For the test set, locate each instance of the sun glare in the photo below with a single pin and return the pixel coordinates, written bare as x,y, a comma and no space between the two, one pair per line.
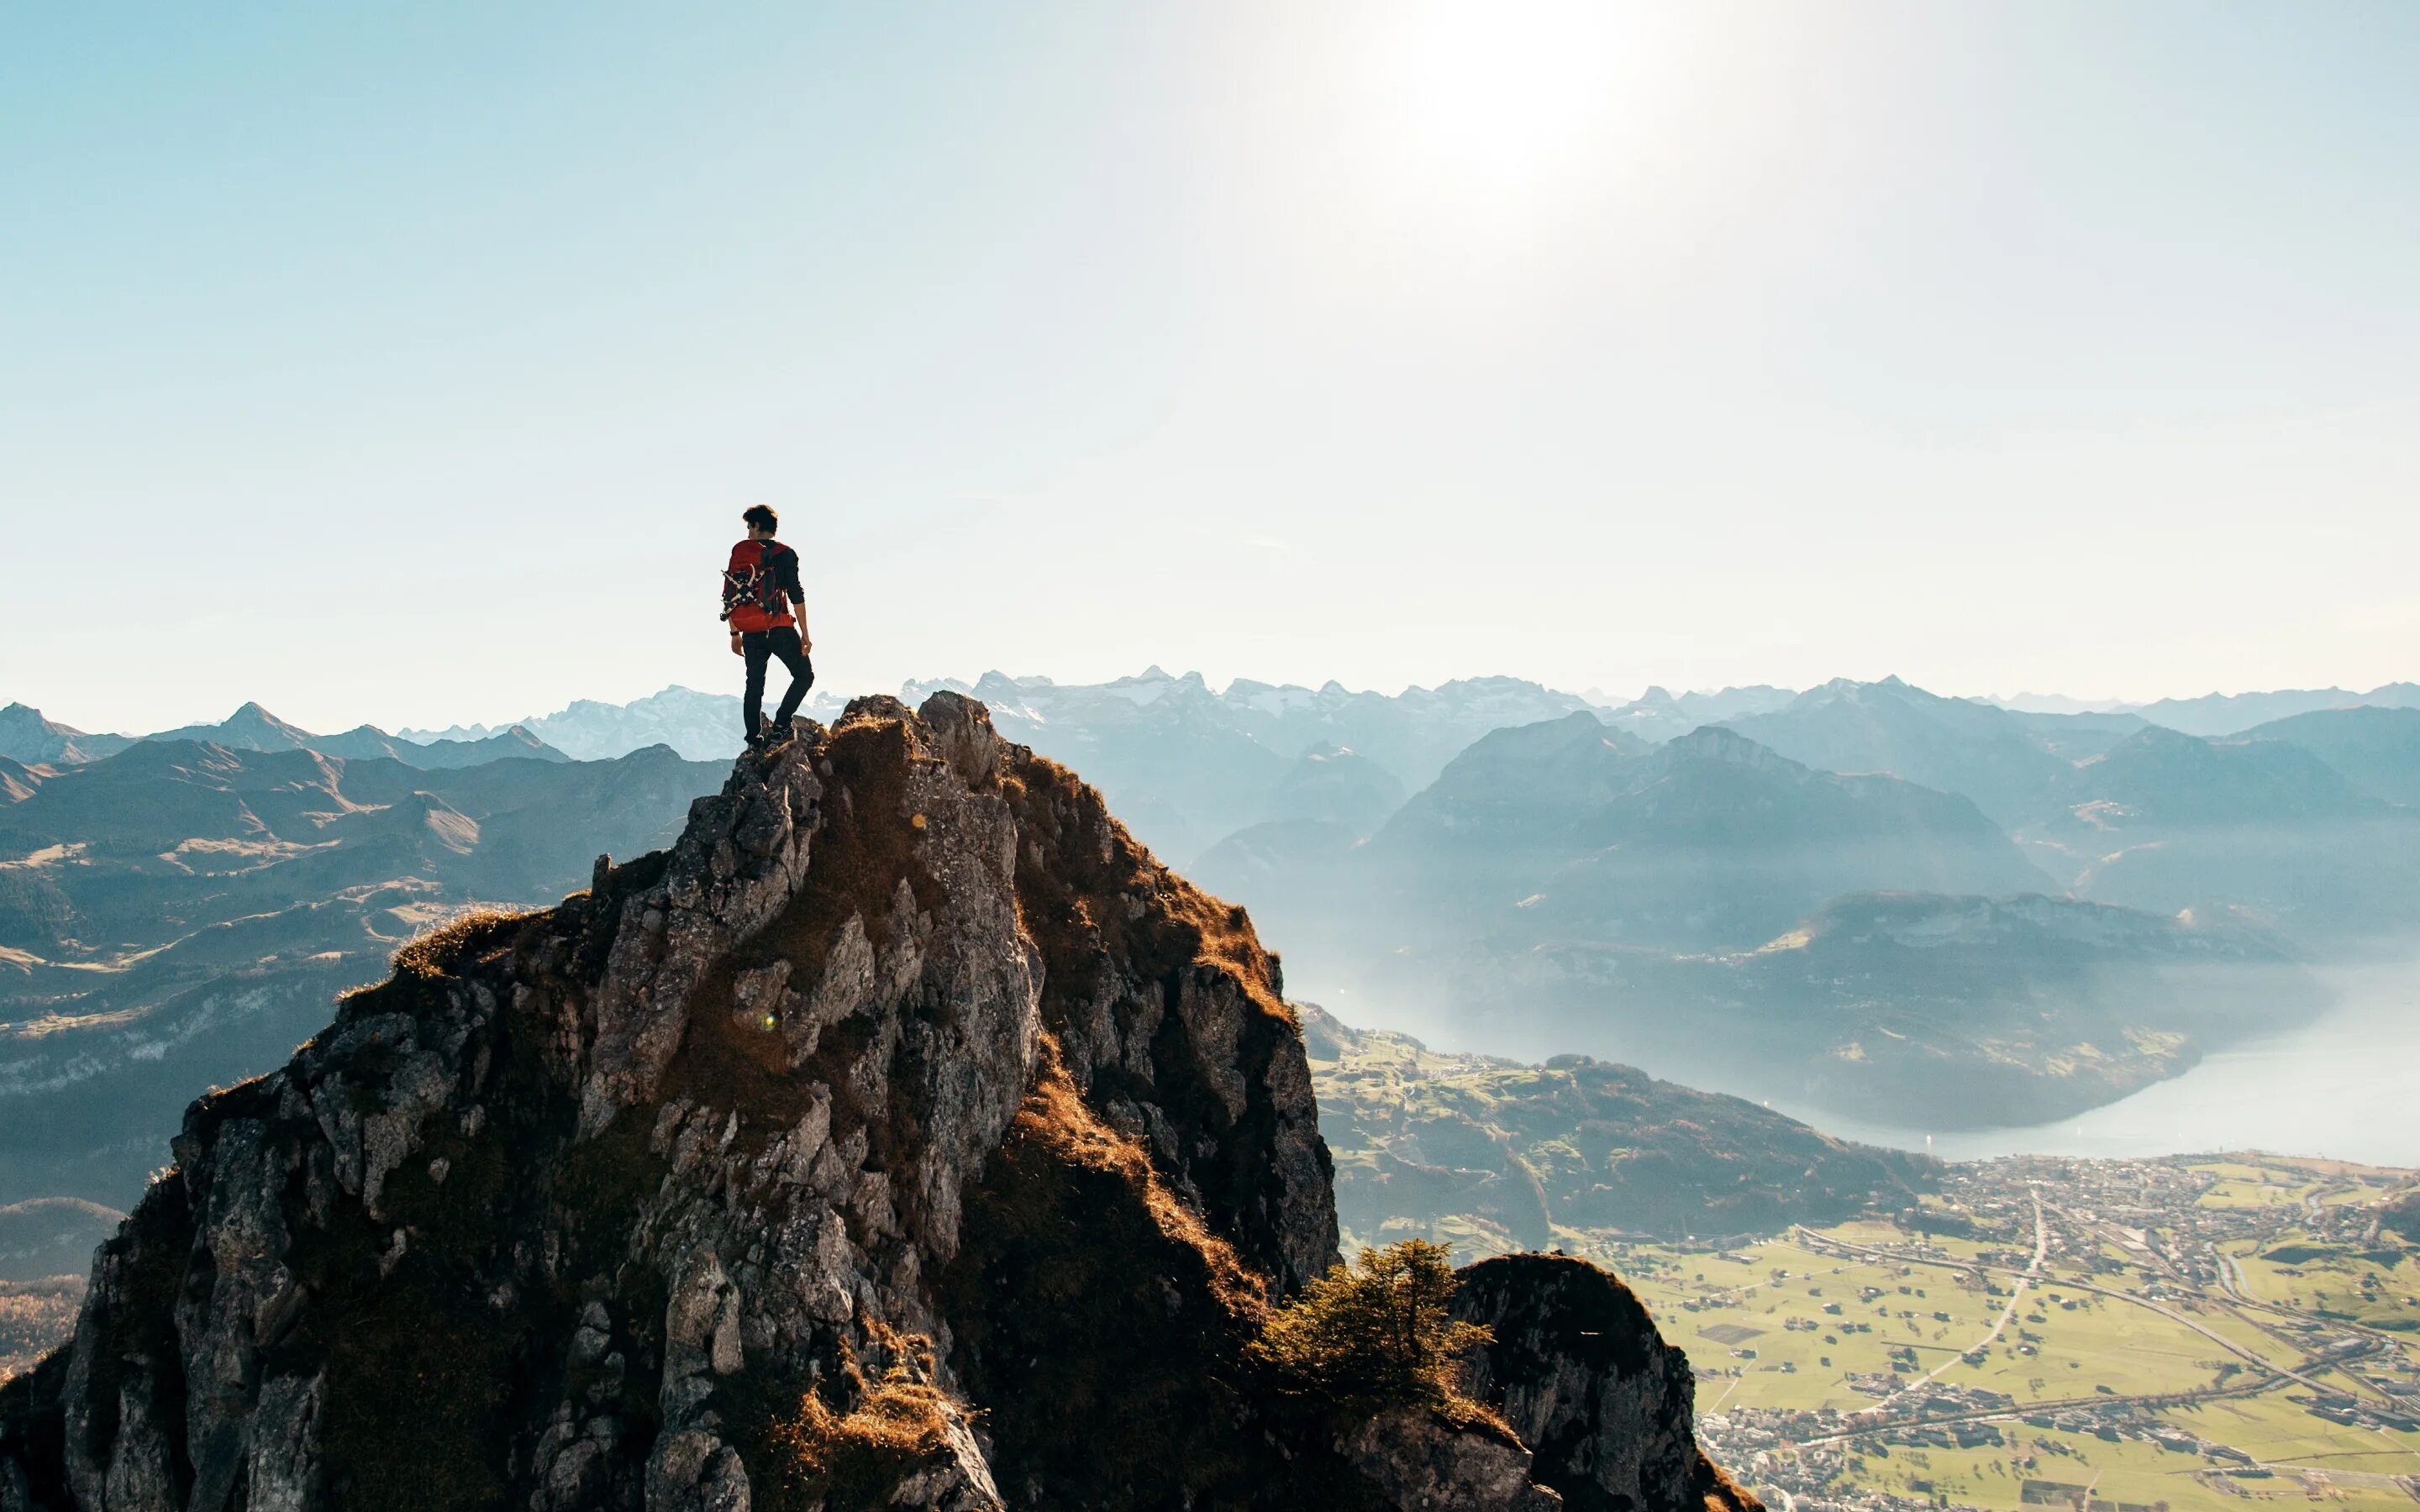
1498,110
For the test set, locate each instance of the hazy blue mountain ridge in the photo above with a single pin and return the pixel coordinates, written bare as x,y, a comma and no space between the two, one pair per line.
1690,906
180,914
2231,713
26,737
2375,750
1955,745
1412,734
2075,736
1660,715
701,727
2171,821
1575,867
1185,765
51,1236
1725,843
1336,785
1571,829
1188,766
254,728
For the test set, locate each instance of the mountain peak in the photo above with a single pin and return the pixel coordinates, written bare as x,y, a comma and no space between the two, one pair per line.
1714,742
26,734
906,1082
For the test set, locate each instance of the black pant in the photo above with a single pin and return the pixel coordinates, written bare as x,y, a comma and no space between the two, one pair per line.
760,646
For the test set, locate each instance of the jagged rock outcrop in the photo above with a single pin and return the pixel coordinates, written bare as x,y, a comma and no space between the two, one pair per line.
1579,1370
904,1137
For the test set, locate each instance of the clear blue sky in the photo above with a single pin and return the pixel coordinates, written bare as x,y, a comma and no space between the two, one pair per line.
410,363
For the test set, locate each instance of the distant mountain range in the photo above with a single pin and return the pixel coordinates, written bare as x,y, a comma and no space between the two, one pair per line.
1858,893
1571,829
27,737
2168,822
1856,940
1711,840
1987,753
2232,714
1187,765
1184,766
701,727
50,1236
2223,713
180,914
1658,714
2377,751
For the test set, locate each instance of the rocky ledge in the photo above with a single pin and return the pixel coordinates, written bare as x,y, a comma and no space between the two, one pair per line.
904,1137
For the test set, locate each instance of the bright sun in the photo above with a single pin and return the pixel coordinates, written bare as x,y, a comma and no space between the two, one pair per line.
1489,109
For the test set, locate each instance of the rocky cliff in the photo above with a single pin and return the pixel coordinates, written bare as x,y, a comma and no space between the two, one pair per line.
904,1137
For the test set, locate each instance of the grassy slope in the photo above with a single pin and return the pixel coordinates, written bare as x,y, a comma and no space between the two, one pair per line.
1493,1156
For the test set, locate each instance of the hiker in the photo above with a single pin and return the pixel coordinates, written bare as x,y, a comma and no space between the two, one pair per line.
768,614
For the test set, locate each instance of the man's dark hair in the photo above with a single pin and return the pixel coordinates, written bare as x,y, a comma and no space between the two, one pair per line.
761,517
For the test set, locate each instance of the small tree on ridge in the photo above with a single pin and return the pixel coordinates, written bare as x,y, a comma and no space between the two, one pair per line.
1377,1332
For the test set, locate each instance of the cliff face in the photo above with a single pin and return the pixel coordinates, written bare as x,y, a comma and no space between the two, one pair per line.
1579,1370
905,1135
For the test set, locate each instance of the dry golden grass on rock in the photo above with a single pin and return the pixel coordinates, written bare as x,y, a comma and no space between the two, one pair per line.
466,936
1102,1325
889,1425
1079,865
1056,1119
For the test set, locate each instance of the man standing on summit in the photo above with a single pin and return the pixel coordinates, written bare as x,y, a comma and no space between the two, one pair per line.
767,611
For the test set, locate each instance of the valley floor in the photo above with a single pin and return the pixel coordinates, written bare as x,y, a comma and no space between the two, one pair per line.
2180,1335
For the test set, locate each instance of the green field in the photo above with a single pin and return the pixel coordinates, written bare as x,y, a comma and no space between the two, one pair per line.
2117,1315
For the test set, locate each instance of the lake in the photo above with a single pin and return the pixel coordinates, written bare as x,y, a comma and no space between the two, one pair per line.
2347,1085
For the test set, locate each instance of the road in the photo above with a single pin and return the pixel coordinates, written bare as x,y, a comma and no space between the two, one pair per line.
2016,1294
2059,1404
1814,1241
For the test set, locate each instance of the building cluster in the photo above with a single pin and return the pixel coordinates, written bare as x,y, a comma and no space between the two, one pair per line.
2163,1232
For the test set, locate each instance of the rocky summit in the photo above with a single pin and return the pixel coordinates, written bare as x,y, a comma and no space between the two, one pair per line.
904,1137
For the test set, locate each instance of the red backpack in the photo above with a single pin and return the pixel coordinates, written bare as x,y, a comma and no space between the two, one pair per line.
751,588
